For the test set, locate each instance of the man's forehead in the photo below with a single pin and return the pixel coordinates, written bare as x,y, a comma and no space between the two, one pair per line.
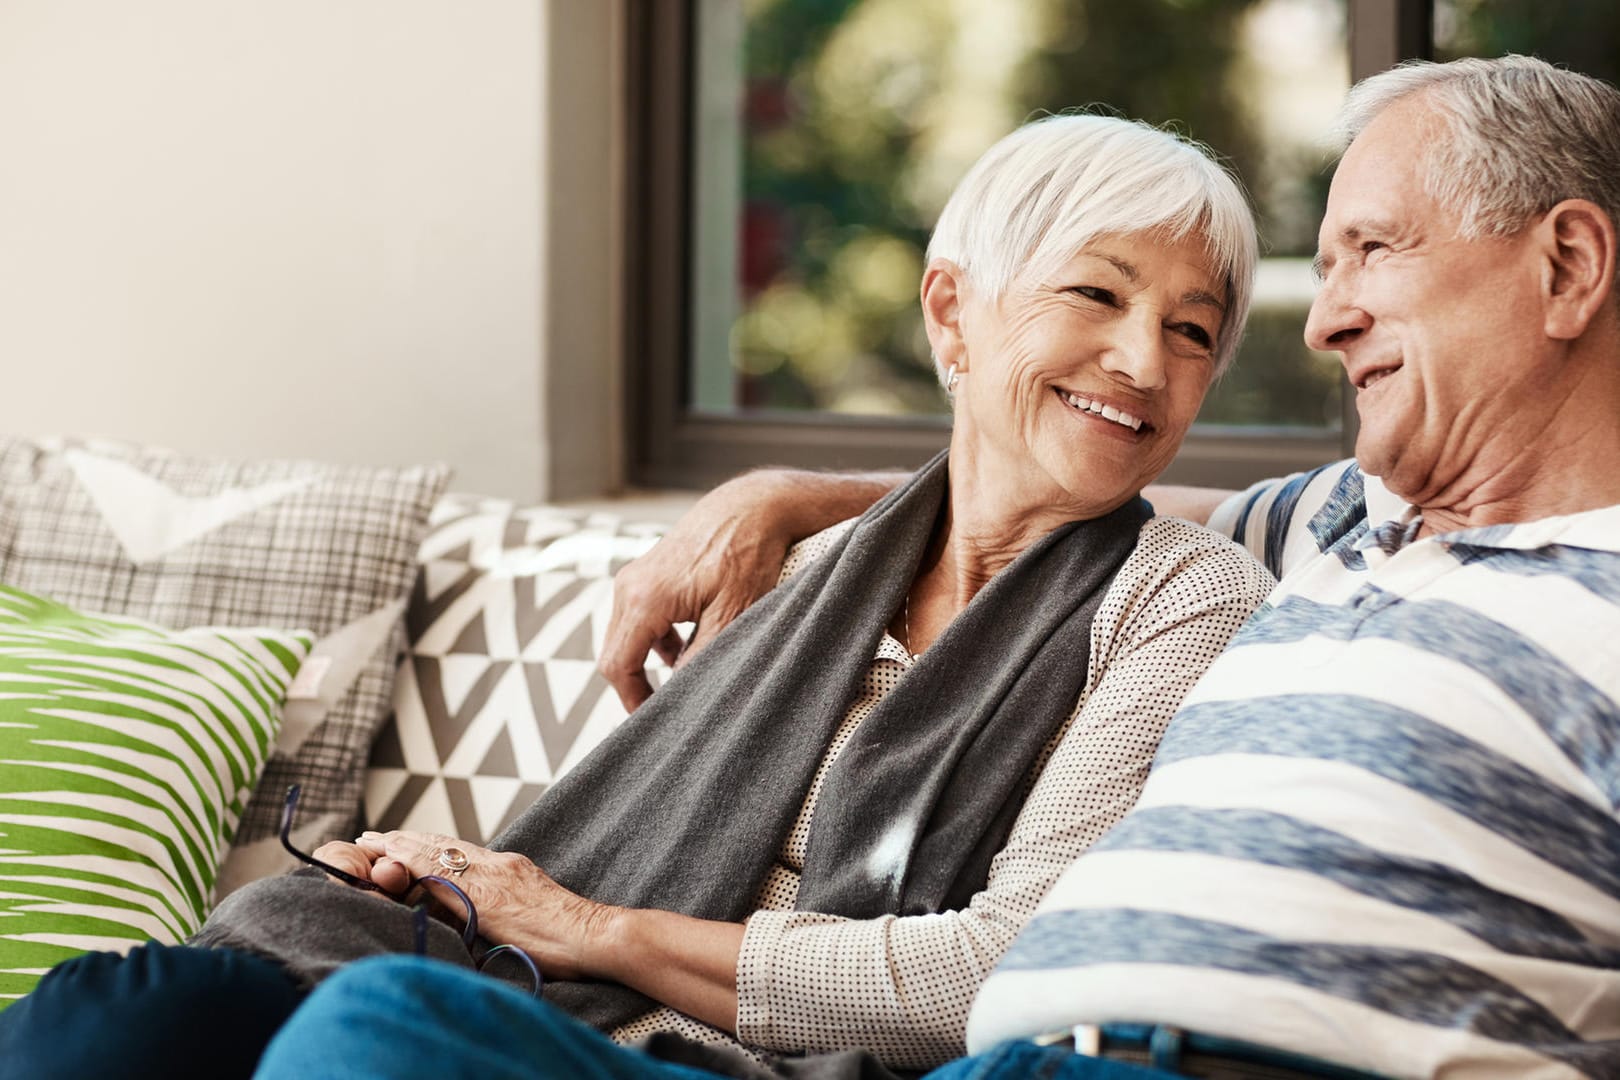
1378,188
1385,164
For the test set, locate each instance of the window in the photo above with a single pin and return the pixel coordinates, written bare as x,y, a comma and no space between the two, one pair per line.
1580,34
796,152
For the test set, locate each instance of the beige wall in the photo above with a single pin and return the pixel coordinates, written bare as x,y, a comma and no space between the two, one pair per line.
313,227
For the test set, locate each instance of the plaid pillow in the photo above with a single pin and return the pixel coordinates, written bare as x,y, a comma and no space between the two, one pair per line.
185,541
499,693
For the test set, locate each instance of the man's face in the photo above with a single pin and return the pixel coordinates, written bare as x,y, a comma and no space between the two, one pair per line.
1441,336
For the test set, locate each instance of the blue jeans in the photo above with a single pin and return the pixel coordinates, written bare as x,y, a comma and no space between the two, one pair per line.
160,1012
406,1018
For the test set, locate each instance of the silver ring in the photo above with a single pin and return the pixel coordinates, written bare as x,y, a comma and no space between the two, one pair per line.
454,861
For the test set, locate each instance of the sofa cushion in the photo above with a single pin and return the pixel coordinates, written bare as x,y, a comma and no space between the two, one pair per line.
127,755
498,694
185,541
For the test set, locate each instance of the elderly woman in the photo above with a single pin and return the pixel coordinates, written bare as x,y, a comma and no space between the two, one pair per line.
824,830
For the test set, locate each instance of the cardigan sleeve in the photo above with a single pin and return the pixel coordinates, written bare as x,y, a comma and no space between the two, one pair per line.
902,986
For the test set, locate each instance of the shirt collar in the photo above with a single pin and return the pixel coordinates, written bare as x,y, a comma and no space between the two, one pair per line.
1595,530
1392,521
1382,504
890,649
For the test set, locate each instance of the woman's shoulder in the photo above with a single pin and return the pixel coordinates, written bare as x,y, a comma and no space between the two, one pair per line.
1174,535
1179,564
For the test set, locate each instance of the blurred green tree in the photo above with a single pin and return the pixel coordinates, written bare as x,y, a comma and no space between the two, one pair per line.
859,116
1580,34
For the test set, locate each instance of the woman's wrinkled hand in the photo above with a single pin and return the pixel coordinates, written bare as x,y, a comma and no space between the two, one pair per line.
390,875
517,902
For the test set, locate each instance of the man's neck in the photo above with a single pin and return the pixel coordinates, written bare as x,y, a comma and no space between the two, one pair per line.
1568,465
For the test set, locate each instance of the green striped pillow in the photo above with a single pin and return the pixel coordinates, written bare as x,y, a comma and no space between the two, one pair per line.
127,753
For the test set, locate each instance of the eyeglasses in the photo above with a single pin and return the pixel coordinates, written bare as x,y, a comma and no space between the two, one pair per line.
469,933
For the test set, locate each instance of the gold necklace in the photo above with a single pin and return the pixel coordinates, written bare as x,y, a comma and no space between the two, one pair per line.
907,619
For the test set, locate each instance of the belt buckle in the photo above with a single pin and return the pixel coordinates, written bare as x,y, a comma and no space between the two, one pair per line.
1083,1039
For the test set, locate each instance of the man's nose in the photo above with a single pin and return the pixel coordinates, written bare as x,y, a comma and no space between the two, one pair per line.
1335,319
1137,352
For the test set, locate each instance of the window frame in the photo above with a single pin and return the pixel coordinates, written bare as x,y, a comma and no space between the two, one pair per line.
670,445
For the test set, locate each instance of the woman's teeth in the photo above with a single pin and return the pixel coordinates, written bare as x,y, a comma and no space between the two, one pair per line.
1107,412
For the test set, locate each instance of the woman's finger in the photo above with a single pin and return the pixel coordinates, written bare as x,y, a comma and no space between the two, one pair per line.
349,858
392,875
423,853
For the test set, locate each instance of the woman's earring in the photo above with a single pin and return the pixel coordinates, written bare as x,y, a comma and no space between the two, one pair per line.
952,377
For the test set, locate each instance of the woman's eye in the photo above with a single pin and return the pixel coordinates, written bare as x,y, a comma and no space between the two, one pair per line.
1196,334
1370,246
1092,292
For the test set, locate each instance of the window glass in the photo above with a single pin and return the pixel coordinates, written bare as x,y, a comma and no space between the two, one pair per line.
1580,34
830,132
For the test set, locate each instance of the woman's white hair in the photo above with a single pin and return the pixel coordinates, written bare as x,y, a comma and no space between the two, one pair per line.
1040,194
1524,136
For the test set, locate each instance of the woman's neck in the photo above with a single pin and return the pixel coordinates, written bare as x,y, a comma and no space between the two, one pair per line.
981,529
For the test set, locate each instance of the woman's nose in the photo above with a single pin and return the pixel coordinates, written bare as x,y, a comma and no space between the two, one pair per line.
1137,353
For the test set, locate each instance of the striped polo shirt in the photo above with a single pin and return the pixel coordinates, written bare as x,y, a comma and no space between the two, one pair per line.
1382,830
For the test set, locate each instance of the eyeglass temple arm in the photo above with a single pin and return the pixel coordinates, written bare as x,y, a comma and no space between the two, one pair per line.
344,876
537,981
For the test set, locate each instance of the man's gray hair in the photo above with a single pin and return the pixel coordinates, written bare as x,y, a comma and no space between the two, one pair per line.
1524,136
1040,194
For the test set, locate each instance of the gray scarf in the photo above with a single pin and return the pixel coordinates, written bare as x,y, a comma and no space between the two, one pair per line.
687,805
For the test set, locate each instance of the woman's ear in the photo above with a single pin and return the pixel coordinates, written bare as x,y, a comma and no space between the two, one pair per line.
1577,247
944,289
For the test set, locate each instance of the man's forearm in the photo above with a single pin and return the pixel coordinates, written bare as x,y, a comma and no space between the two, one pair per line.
800,503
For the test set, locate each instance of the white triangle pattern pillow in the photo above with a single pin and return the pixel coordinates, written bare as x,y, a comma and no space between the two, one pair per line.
498,694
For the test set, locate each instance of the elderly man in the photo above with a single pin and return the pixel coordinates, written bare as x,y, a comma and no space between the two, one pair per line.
1380,836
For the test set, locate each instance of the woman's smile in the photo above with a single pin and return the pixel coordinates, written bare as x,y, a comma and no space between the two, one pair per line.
1111,419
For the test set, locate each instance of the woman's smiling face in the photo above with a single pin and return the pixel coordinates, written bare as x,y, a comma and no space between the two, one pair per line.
1078,388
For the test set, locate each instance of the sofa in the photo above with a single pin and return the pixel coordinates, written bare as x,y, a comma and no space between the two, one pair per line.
183,639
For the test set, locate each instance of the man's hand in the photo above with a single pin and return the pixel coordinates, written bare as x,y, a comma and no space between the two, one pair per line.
707,569
725,553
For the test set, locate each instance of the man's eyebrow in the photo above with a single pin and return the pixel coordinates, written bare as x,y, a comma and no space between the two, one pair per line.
1350,237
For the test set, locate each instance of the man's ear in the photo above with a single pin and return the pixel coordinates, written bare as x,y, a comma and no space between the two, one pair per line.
944,295
1577,244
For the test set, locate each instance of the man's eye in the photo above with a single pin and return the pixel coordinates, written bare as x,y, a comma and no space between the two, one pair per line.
1092,292
1370,246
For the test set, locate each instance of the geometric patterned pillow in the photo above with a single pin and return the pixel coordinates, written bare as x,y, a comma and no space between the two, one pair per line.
187,541
498,694
127,754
